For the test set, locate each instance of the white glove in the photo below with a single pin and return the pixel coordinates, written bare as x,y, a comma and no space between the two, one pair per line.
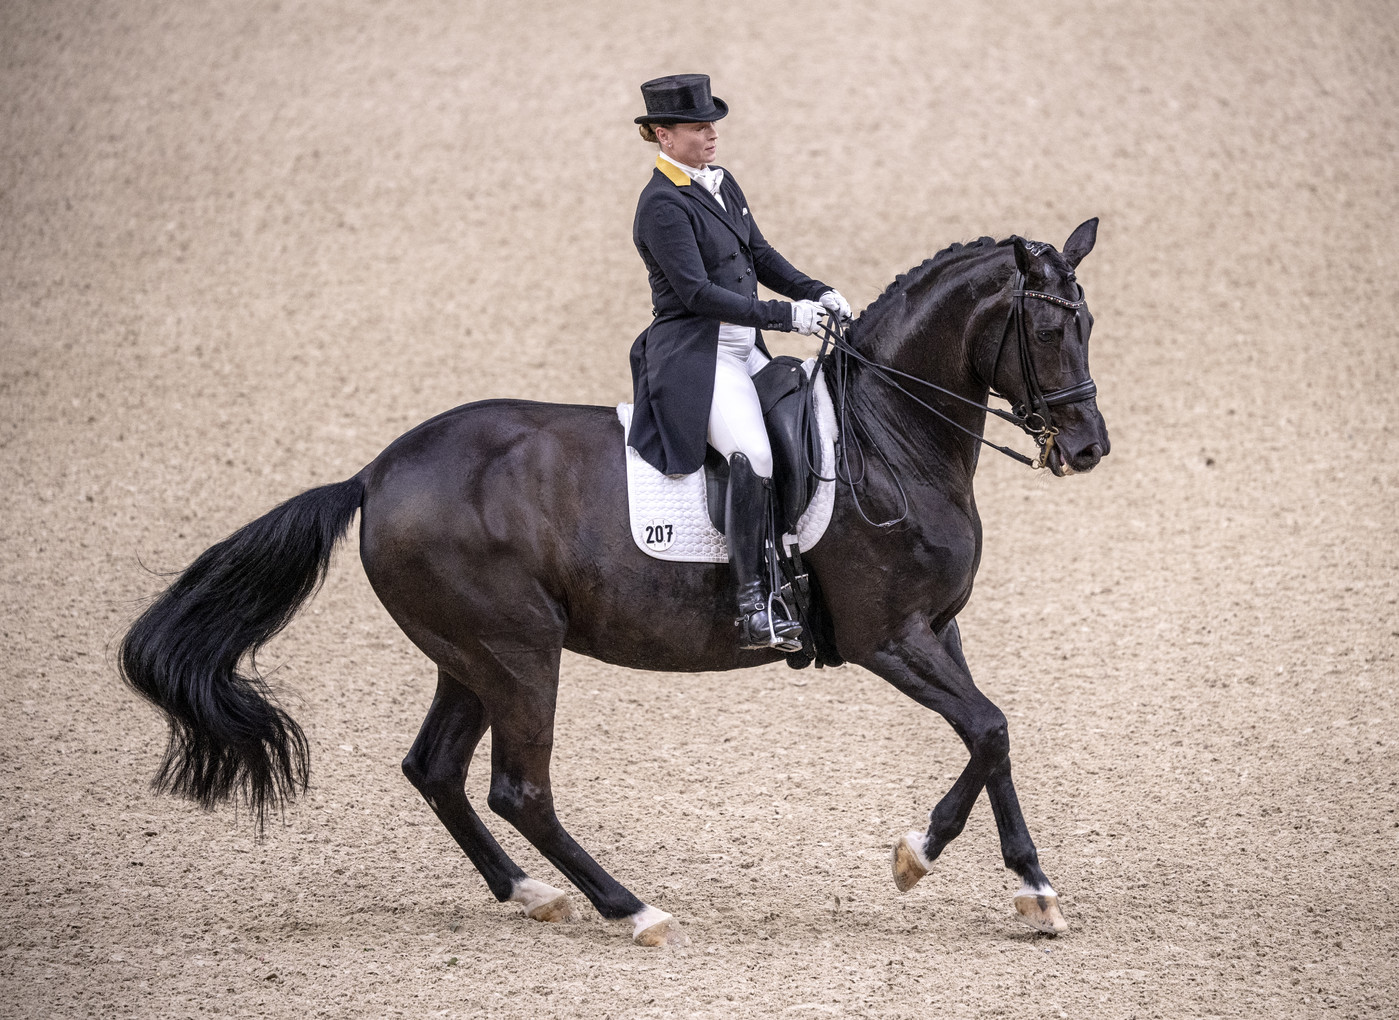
805,316
833,302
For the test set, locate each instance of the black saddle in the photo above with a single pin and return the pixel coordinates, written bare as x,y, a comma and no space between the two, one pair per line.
789,411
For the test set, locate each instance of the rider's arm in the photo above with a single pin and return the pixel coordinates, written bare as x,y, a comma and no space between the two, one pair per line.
665,229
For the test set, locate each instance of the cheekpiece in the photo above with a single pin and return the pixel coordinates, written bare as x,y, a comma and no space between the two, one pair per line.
678,98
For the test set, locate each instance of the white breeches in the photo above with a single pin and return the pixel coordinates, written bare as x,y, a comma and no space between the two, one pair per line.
735,416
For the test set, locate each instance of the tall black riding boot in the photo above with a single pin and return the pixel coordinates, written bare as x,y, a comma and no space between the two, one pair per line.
745,522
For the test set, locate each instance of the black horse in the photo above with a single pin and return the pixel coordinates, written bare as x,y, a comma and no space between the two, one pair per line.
496,535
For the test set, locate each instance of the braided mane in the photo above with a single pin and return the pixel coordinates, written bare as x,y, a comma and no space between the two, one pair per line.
919,274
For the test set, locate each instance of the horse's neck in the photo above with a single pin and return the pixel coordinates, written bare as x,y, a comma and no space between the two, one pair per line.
932,343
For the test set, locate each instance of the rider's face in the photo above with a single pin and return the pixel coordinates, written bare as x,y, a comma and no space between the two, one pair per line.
691,144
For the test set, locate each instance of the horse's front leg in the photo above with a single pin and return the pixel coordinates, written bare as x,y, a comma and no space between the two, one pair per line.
931,669
1036,903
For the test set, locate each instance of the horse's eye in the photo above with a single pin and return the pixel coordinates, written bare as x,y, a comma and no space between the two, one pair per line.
1049,336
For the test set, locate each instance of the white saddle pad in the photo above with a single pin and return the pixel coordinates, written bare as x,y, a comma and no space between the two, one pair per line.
670,514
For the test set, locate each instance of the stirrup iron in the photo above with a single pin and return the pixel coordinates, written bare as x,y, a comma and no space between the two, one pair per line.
791,639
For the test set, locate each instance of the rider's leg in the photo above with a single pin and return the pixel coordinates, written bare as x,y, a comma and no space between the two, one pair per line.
736,430
749,499
756,361
735,415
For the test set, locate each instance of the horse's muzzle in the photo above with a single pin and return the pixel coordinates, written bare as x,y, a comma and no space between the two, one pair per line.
1065,460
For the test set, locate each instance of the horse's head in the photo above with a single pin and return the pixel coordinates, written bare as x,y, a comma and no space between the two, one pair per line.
1042,364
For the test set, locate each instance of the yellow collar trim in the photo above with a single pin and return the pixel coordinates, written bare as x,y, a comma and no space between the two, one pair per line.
677,176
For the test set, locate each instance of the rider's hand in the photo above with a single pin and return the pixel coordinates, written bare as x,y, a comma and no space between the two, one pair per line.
833,302
805,316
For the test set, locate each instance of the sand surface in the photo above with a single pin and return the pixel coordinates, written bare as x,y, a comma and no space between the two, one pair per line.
243,246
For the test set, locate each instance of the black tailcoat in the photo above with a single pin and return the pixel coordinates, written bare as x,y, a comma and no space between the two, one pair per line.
705,263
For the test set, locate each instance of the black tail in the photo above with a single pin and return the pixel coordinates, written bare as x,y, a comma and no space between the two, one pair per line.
227,735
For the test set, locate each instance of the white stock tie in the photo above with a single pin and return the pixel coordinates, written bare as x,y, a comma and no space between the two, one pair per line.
711,179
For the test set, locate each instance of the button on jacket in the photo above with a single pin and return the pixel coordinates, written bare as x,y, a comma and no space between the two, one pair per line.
705,261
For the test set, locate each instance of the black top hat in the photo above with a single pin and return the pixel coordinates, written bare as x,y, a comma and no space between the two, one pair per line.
680,98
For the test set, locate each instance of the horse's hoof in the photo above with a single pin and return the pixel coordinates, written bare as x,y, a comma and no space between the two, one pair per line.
1040,910
908,862
542,902
556,911
652,927
665,933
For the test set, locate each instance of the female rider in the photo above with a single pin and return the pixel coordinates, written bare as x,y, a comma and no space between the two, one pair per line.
691,367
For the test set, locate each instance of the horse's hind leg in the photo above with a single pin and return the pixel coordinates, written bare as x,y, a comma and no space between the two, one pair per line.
437,765
522,743
931,670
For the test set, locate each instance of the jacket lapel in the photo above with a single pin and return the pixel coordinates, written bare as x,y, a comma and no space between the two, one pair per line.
704,198
735,221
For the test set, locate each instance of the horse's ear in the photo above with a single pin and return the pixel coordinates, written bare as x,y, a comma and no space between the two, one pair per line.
1080,242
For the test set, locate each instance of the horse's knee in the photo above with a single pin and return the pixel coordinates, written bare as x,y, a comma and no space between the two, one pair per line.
413,772
524,805
505,799
418,771
990,740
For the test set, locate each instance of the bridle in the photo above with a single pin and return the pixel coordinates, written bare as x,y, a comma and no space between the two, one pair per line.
1033,415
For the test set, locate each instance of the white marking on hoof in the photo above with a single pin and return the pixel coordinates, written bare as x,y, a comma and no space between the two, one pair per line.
542,901
909,863
654,927
1039,908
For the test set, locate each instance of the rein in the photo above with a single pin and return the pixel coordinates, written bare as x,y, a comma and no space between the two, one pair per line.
1032,416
